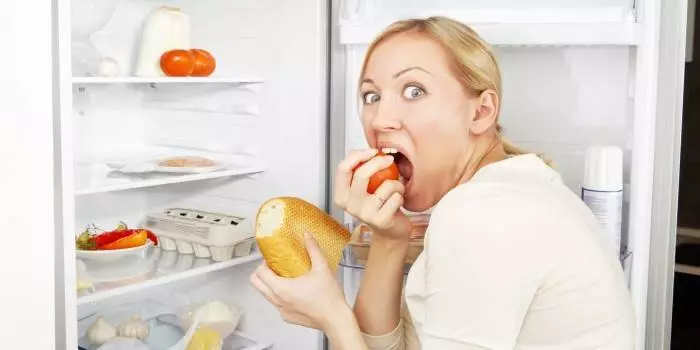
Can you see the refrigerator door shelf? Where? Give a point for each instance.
(352, 261)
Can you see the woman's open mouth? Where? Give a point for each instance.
(402, 162)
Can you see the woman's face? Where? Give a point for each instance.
(412, 102)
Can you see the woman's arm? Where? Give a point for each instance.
(343, 332)
(378, 303)
(379, 300)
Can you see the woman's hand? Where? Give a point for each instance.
(380, 210)
(313, 300)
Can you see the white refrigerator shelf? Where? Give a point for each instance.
(155, 268)
(349, 260)
(99, 178)
(523, 34)
(520, 26)
(165, 327)
(236, 341)
(167, 80)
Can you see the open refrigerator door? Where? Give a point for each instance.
(178, 119)
(577, 74)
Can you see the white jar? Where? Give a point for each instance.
(166, 28)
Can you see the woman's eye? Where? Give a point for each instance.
(370, 98)
(412, 92)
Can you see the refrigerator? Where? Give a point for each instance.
(84, 126)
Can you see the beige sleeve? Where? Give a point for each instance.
(403, 337)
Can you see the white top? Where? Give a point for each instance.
(513, 259)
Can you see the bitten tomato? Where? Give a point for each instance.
(204, 63)
(390, 173)
(177, 63)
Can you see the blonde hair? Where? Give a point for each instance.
(472, 60)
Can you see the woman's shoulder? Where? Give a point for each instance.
(506, 199)
(467, 195)
(515, 197)
(514, 187)
(521, 204)
(479, 222)
(473, 205)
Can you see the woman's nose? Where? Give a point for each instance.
(387, 117)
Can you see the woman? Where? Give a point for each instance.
(512, 258)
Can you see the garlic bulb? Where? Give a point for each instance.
(100, 332)
(107, 67)
(133, 328)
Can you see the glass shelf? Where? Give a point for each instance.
(350, 260)
(156, 267)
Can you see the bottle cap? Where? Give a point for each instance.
(603, 168)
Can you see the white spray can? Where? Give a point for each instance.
(602, 190)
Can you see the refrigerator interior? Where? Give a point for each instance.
(262, 113)
(569, 82)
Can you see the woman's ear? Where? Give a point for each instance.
(486, 112)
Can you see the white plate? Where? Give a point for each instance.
(111, 255)
(150, 167)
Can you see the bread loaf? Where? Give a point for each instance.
(280, 225)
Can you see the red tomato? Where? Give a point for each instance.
(390, 173)
(177, 63)
(204, 63)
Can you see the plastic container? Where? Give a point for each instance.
(602, 190)
(204, 234)
(211, 312)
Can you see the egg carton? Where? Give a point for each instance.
(206, 235)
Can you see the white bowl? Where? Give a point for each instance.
(111, 255)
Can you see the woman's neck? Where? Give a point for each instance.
(485, 152)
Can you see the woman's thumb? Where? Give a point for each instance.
(317, 258)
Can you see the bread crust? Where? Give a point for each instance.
(280, 226)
